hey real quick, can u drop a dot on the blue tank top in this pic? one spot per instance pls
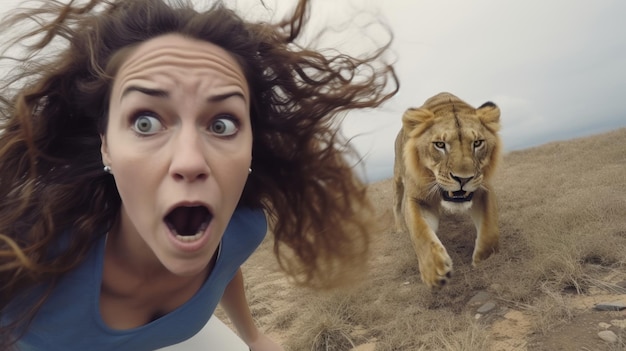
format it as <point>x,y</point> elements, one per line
<point>70,318</point>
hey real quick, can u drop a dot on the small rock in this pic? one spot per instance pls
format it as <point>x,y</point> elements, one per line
<point>479,299</point>
<point>406,283</point>
<point>608,336</point>
<point>477,316</point>
<point>620,323</point>
<point>604,325</point>
<point>610,306</point>
<point>486,308</point>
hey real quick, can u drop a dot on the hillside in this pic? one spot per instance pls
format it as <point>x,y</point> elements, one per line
<point>563,250</point>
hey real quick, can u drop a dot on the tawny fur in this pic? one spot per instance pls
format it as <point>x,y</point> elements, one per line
<point>446,145</point>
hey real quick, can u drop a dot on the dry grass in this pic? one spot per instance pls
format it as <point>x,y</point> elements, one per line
<point>563,234</point>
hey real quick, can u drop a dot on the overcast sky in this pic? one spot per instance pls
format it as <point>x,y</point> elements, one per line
<point>556,68</point>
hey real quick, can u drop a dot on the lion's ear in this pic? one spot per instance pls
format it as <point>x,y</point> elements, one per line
<point>414,117</point>
<point>489,115</point>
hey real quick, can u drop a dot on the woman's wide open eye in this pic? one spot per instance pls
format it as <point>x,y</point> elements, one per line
<point>147,125</point>
<point>223,126</point>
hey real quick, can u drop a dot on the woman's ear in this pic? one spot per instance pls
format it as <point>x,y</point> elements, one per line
<point>104,150</point>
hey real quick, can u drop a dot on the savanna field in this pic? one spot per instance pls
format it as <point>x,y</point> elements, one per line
<point>562,252</point>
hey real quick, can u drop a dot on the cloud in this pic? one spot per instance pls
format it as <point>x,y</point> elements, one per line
<point>556,69</point>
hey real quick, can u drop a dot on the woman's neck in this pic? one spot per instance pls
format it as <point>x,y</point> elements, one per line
<point>126,248</point>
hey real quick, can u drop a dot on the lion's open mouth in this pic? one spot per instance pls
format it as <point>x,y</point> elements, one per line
<point>457,196</point>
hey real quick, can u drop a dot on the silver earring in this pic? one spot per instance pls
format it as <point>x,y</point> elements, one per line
<point>107,169</point>
<point>249,170</point>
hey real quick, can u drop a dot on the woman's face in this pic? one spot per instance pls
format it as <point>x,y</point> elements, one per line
<point>179,143</point>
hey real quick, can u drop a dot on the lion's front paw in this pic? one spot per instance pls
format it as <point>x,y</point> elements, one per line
<point>483,252</point>
<point>435,266</point>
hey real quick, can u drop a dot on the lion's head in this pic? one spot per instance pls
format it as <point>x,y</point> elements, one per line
<point>452,147</point>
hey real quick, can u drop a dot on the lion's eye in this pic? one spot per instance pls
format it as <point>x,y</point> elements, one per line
<point>478,143</point>
<point>440,145</point>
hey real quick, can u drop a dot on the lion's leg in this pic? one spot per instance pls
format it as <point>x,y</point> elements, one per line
<point>397,204</point>
<point>434,263</point>
<point>485,217</point>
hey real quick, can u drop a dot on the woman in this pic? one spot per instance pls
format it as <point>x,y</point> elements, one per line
<point>143,144</point>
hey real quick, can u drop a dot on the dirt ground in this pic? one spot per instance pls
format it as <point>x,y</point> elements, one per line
<point>555,233</point>
<point>510,328</point>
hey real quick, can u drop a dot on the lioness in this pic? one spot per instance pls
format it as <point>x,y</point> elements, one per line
<point>446,153</point>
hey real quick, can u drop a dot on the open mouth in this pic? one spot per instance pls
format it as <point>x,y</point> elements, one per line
<point>188,223</point>
<point>457,196</point>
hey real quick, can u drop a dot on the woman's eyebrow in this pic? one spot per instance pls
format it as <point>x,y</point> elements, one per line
<point>224,96</point>
<point>165,94</point>
<point>148,91</point>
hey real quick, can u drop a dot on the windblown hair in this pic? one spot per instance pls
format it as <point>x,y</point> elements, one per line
<point>53,108</point>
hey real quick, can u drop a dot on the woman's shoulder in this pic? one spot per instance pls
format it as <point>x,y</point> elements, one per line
<point>63,242</point>
<point>247,229</point>
<point>248,218</point>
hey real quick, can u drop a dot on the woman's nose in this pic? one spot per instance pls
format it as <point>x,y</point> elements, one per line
<point>188,161</point>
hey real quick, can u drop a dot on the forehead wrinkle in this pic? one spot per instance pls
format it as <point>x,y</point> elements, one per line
<point>179,45</point>
<point>173,72</point>
<point>147,68</point>
<point>145,64</point>
<point>190,59</point>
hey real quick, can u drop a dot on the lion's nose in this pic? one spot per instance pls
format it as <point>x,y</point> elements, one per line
<point>462,181</point>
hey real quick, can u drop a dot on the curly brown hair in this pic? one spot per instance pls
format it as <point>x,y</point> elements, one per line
<point>53,109</point>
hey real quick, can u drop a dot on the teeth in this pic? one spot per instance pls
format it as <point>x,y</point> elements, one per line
<point>450,194</point>
<point>190,238</point>
<point>466,194</point>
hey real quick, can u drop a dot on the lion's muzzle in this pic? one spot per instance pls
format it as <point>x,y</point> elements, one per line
<point>457,196</point>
